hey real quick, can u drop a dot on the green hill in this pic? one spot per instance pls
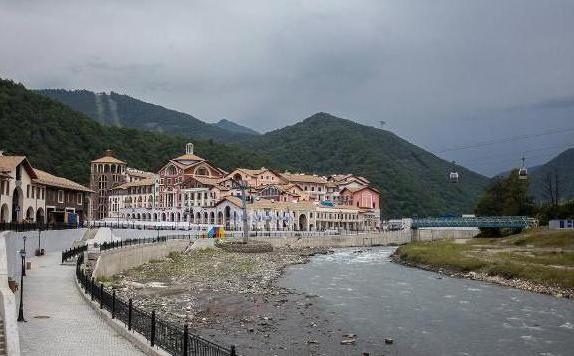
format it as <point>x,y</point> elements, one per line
<point>563,166</point>
<point>412,180</point>
<point>124,111</point>
<point>62,141</point>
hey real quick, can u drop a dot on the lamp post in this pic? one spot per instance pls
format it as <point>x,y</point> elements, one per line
<point>24,252</point>
<point>21,308</point>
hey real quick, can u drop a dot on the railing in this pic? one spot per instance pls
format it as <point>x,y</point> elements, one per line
<point>72,252</point>
<point>168,336</point>
<point>147,240</point>
<point>19,227</point>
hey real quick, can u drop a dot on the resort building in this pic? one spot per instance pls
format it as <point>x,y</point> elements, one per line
<point>29,195</point>
<point>192,190</point>
<point>67,202</point>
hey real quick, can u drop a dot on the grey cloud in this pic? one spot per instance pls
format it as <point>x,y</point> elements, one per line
<point>439,72</point>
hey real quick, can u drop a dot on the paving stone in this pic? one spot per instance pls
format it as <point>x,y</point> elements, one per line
<point>59,322</point>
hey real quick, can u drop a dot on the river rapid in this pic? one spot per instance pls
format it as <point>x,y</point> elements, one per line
<point>429,314</point>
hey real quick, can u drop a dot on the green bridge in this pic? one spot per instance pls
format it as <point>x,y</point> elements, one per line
<point>482,221</point>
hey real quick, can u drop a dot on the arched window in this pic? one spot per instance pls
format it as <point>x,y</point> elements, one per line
<point>171,170</point>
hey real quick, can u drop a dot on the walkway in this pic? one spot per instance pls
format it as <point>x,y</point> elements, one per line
<point>59,320</point>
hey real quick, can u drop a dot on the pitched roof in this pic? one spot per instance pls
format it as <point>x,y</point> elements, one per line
<point>11,162</point>
<point>138,173</point>
<point>54,181</point>
<point>139,183</point>
<point>108,159</point>
<point>304,178</point>
<point>188,157</point>
<point>354,190</point>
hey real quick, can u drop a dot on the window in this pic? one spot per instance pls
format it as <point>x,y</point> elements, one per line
<point>28,191</point>
<point>60,196</point>
<point>80,198</point>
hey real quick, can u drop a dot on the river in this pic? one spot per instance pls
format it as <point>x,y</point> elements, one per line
<point>429,314</point>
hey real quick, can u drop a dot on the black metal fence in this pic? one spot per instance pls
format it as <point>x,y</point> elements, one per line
<point>20,227</point>
<point>173,339</point>
<point>146,240</point>
<point>72,252</point>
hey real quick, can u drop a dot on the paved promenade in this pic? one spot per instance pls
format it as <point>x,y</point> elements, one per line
<point>71,326</point>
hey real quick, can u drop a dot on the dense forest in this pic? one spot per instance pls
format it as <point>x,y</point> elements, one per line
<point>62,141</point>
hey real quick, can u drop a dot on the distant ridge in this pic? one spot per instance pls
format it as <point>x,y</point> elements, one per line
<point>563,166</point>
<point>125,111</point>
<point>235,127</point>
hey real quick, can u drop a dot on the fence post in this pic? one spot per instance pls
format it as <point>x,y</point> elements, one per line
<point>185,339</point>
<point>114,304</point>
<point>232,353</point>
<point>152,338</point>
<point>101,295</point>
<point>130,314</point>
<point>92,288</point>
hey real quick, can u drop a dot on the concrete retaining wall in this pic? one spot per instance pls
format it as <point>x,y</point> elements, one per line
<point>379,238</point>
<point>441,234</point>
<point>50,241</point>
<point>8,304</point>
<point>114,261</point>
<point>384,238</point>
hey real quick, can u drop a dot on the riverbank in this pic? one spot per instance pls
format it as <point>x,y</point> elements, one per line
<point>233,298</point>
<point>539,260</point>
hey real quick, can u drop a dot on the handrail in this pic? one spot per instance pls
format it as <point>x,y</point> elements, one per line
<point>173,339</point>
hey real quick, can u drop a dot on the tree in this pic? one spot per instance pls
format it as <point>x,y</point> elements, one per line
<point>551,188</point>
<point>505,197</point>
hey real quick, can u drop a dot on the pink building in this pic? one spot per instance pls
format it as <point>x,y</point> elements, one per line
<point>363,198</point>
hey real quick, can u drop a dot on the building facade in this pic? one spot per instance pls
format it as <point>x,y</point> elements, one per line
<point>29,195</point>
<point>190,189</point>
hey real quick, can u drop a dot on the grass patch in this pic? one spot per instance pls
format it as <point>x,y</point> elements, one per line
<point>541,256</point>
<point>108,279</point>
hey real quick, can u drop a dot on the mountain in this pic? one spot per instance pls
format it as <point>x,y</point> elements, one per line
<point>411,180</point>
<point>124,111</point>
<point>563,166</point>
<point>235,127</point>
<point>62,141</point>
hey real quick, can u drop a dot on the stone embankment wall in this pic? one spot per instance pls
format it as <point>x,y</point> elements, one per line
<point>371,239</point>
<point>8,304</point>
<point>374,239</point>
<point>441,234</point>
<point>112,262</point>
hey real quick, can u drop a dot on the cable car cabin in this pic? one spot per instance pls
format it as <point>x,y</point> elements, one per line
<point>522,173</point>
<point>453,177</point>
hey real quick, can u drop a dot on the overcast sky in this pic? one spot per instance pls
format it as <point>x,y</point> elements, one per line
<point>440,73</point>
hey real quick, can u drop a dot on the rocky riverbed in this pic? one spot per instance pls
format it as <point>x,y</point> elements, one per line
<point>233,298</point>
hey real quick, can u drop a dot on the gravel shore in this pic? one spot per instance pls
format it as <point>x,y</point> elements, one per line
<point>530,286</point>
<point>233,298</point>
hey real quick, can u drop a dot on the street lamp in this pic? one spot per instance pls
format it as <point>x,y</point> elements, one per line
<point>242,186</point>
<point>24,252</point>
<point>21,309</point>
